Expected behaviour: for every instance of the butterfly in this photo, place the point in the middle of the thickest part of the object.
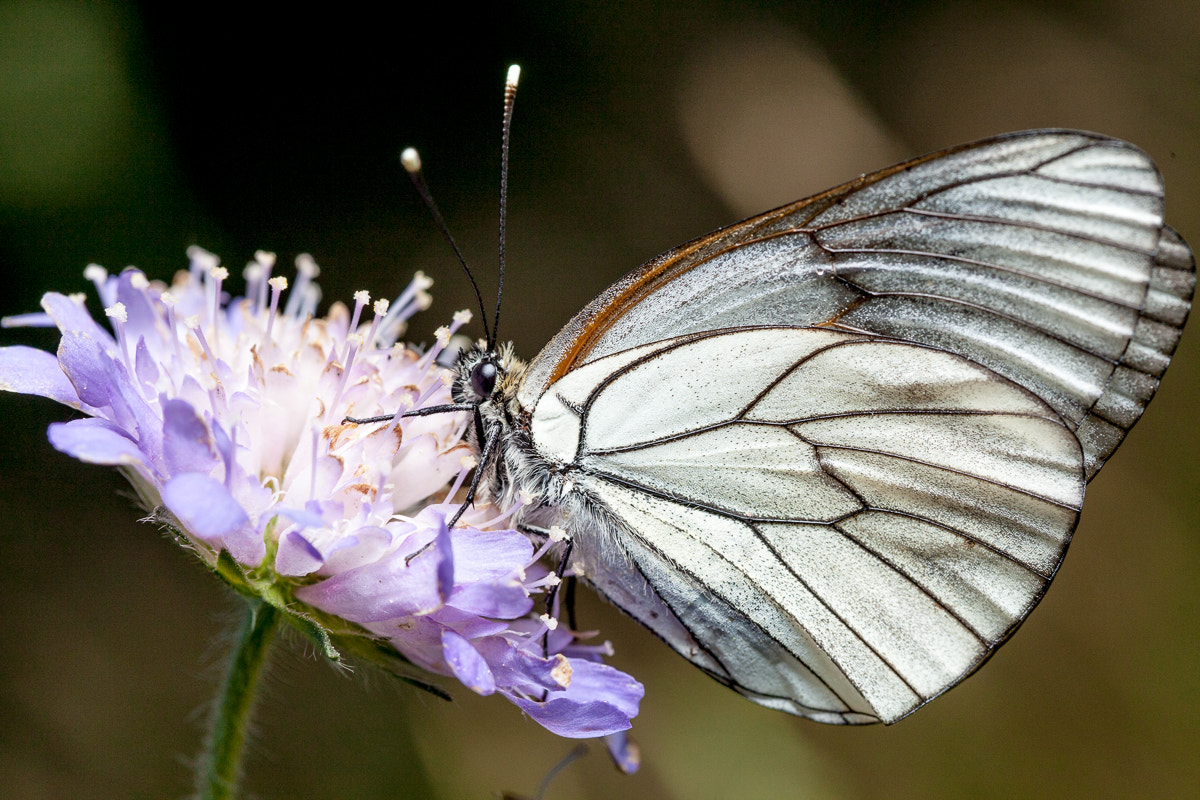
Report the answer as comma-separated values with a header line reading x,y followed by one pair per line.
x,y
833,455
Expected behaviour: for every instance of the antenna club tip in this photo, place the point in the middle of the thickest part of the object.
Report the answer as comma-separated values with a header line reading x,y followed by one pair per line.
x,y
514,74
410,159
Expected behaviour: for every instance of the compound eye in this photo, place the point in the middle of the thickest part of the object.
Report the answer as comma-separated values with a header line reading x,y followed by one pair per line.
x,y
483,379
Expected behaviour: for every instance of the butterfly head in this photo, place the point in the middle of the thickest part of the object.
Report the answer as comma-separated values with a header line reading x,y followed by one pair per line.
x,y
483,376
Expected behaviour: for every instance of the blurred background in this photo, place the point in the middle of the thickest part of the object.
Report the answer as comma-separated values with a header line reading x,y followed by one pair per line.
x,y
128,133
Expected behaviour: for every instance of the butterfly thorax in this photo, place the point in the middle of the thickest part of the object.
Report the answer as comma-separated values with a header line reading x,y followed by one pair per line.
x,y
489,378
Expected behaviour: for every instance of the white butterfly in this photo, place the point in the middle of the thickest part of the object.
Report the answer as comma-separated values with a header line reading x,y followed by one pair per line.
x,y
833,455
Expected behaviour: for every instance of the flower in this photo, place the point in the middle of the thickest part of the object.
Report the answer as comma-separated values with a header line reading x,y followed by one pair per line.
x,y
226,415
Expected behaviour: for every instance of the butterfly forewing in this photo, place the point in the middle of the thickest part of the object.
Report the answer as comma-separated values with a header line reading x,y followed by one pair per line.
x,y
836,452
1041,255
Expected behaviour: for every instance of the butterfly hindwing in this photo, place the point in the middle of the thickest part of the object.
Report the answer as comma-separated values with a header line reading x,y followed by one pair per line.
x,y
874,514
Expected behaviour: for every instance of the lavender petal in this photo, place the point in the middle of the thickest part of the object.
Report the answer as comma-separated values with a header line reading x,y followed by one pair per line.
x,y
506,601
71,316
387,589
203,505
97,441
573,720
624,751
27,370
187,445
467,664
296,555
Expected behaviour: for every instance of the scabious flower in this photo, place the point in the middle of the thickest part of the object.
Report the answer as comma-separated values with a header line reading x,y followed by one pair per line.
x,y
226,417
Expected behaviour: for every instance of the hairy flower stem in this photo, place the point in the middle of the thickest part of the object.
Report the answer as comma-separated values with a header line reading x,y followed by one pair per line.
x,y
220,768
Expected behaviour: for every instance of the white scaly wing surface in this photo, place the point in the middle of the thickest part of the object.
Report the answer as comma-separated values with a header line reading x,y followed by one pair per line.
x,y
1041,255
841,446
842,526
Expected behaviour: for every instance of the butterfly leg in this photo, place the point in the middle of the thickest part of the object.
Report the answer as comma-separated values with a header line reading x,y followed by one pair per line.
x,y
552,595
485,457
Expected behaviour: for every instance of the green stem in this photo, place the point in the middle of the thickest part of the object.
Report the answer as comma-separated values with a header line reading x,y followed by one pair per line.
x,y
220,768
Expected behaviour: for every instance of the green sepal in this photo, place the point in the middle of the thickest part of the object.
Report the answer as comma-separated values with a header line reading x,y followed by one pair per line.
x,y
382,655
322,629
312,630
230,571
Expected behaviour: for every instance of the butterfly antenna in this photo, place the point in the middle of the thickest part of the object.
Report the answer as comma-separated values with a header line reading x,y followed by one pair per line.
x,y
411,161
510,96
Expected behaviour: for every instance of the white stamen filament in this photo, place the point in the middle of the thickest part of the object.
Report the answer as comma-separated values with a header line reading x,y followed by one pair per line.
x,y
312,470
306,270
278,284
380,308
312,297
352,344
523,500
98,275
231,458
468,464
202,262
116,312
218,274
361,298
267,261
253,275
168,303
401,310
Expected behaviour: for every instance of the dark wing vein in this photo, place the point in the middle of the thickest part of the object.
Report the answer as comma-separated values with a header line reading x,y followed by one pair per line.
x,y
829,607
674,437
941,467
984,309
698,581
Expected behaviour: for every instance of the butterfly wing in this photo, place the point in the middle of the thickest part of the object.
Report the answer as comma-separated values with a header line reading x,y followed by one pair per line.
x,y
839,449
1041,255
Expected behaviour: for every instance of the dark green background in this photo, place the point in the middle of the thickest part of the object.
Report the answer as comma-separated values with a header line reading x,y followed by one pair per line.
x,y
128,133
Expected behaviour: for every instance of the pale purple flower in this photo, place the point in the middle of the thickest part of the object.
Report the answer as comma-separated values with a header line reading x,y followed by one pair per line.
x,y
226,416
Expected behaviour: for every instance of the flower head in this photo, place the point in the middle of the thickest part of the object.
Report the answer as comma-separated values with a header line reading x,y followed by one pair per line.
x,y
227,417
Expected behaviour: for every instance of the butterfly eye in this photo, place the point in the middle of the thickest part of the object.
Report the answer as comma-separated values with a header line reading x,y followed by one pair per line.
x,y
483,379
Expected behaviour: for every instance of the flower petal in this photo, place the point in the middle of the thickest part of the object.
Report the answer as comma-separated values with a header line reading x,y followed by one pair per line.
x,y
71,316
304,517
445,571
503,600
187,445
624,751
574,720
34,319
209,511
467,664
97,441
487,555
30,371
421,470
600,701
386,589
296,555
143,364
140,317
97,379
592,681
470,626
365,545
523,671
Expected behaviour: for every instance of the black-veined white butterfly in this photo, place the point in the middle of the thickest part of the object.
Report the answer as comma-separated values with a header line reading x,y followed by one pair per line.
x,y
833,455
